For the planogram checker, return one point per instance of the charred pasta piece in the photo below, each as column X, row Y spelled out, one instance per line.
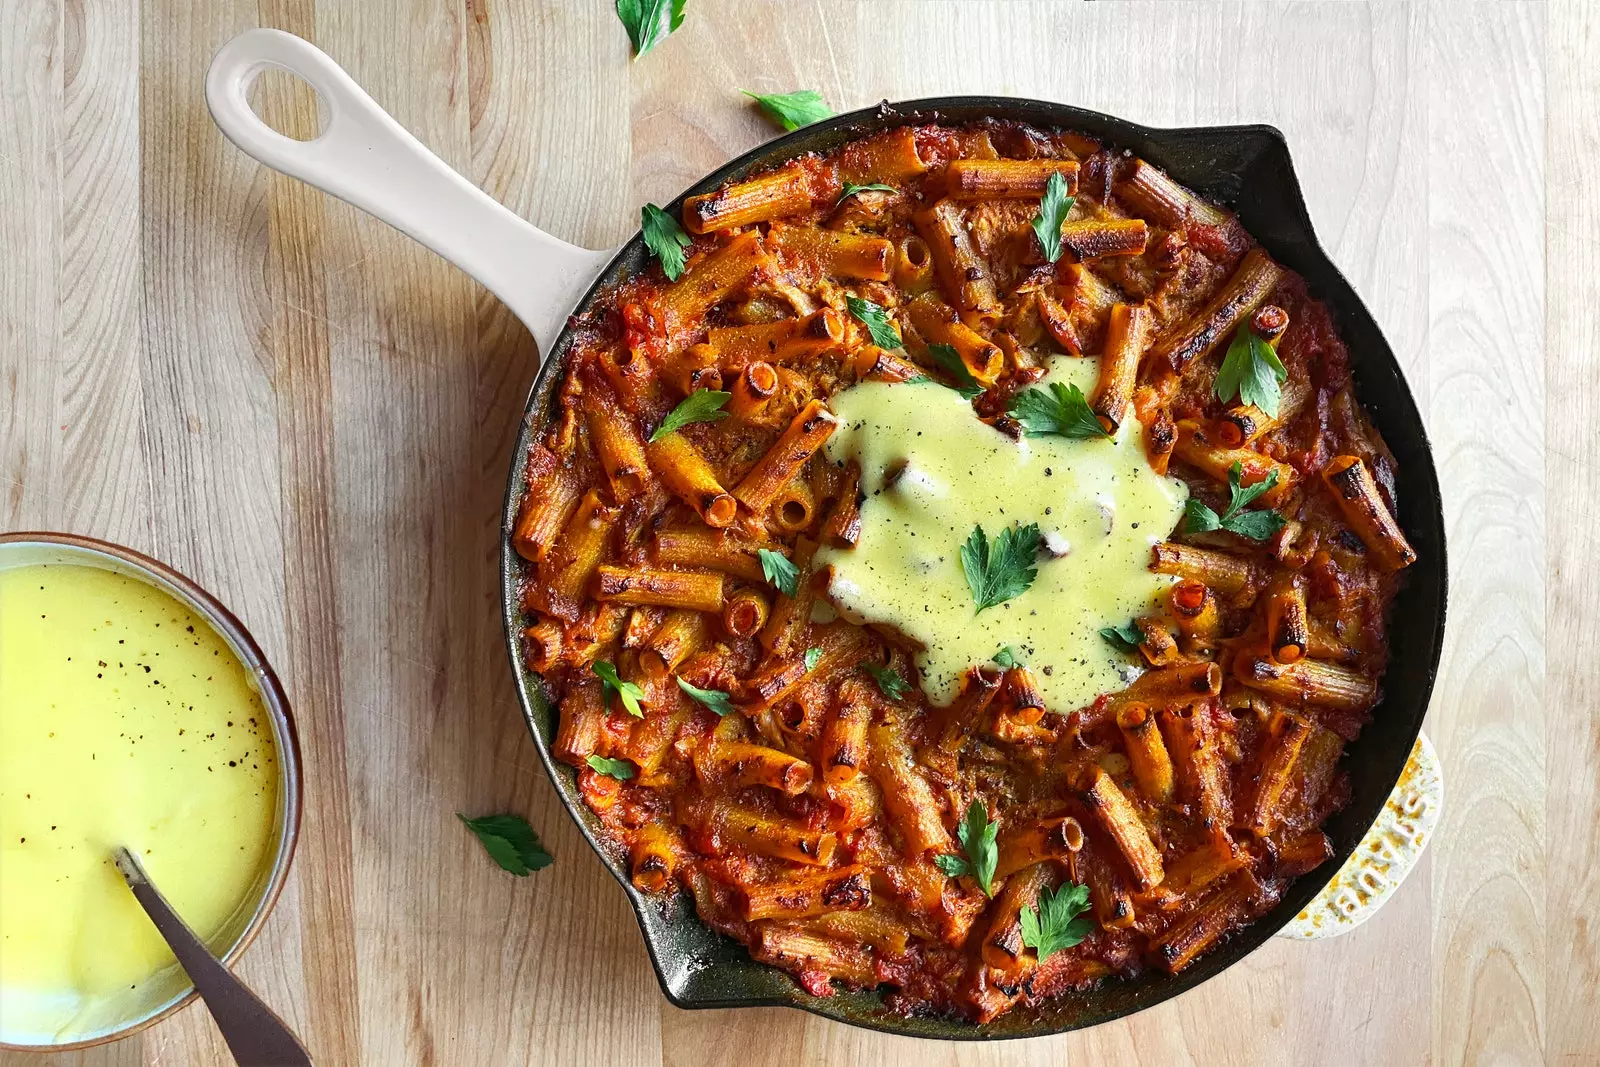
column 1307, row 681
column 1363, row 507
column 811, row 426
column 1036, row 841
column 1207, row 924
column 1007, row 179
column 1147, row 752
column 1288, row 735
column 964, row 276
column 682, row 468
column 784, row 341
column 775, row 195
column 553, row 494
column 1127, row 335
column 909, row 801
column 696, row 590
column 1216, row 570
column 938, row 323
column 1102, row 796
column 809, row 895
column 883, row 157
column 710, row 550
column 1247, row 290
column 839, row 255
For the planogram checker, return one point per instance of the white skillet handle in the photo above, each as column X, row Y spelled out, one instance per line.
column 366, row 158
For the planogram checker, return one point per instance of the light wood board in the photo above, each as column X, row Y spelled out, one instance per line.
column 312, row 417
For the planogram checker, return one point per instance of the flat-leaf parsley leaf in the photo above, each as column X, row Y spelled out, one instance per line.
column 784, row 576
column 715, row 699
column 1251, row 371
column 620, row 769
column 702, row 405
column 627, row 692
column 1002, row 569
column 1057, row 923
column 1256, row 525
column 665, row 239
column 1126, row 637
column 510, row 842
column 876, row 320
column 890, row 684
column 949, row 359
column 1063, row 411
column 792, row 110
column 977, row 836
column 1053, row 210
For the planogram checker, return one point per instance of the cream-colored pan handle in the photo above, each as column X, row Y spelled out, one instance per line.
column 1385, row 856
column 363, row 156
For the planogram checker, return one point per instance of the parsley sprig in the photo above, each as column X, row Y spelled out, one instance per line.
column 1063, row 411
column 1006, row 658
column 1058, row 921
column 792, row 110
column 510, row 842
column 629, row 693
column 1053, row 210
column 1252, row 372
column 702, row 405
column 977, row 836
column 620, row 769
column 1126, row 637
column 715, row 699
column 876, row 320
column 890, row 684
column 784, row 575
column 1256, row 525
column 949, row 359
column 1002, row 569
column 642, row 19
column 665, row 239
column 850, row 190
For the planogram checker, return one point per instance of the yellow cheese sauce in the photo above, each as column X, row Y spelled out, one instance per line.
column 124, row 718
column 931, row 471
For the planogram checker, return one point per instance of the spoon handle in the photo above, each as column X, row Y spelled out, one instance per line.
column 255, row 1035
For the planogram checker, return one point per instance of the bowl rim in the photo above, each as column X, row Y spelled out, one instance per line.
column 273, row 698
column 964, row 109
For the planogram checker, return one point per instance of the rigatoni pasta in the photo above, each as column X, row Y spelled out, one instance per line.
column 791, row 774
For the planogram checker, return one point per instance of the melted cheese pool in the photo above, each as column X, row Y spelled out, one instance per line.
column 931, row 471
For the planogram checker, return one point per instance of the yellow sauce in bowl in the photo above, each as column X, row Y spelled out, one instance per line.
column 124, row 718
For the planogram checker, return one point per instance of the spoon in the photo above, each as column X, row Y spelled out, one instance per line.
column 255, row 1035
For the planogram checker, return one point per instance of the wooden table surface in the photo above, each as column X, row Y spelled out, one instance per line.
column 312, row 416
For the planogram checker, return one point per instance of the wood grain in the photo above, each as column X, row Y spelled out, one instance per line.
column 1571, row 782
column 1486, row 393
column 311, row 416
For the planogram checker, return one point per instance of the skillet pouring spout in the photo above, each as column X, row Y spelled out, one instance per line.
column 364, row 157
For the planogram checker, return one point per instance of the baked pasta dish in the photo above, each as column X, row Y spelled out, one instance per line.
column 960, row 561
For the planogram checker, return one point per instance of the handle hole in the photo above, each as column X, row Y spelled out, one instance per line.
column 288, row 103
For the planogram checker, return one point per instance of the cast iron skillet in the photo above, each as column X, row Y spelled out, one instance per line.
column 1246, row 168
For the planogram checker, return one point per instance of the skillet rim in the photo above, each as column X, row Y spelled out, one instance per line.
column 1421, row 504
